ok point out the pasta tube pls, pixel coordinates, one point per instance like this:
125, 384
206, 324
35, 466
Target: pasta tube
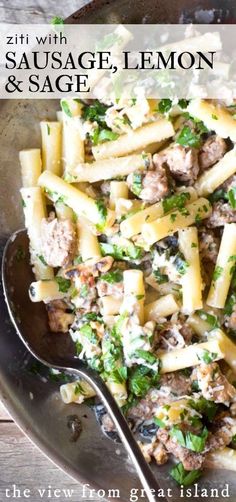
133, 225
106, 169
51, 133
76, 392
110, 305
73, 143
224, 268
192, 355
63, 212
163, 307
215, 118
31, 166
140, 138
199, 326
118, 390
88, 242
176, 220
191, 281
81, 204
216, 175
45, 291
134, 292
226, 346
34, 211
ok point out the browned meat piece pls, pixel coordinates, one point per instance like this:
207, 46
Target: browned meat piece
173, 335
154, 185
213, 384
172, 385
190, 459
154, 450
182, 162
59, 320
160, 454
58, 242
178, 383
208, 245
212, 150
222, 213
105, 288
219, 438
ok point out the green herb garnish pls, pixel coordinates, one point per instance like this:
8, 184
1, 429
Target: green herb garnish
164, 105
112, 277
183, 477
136, 184
217, 272
175, 201
63, 284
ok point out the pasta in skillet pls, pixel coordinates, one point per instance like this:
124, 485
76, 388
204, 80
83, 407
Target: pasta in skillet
133, 245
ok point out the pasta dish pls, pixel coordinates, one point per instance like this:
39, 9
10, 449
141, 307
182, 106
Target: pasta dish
130, 209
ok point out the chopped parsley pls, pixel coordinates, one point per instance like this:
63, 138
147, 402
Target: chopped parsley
194, 245
160, 278
209, 318
207, 357
84, 290
232, 197
48, 129
217, 273
65, 107
233, 260
146, 356
101, 135
141, 380
89, 333
139, 297
63, 284
131, 252
102, 212
183, 103
164, 105
159, 422
112, 277
173, 217
119, 375
205, 407
180, 263
229, 306
95, 113
41, 258
217, 195
187, 137
175, 201
77, 260
136, 184
79, 389
214, 117
183, 477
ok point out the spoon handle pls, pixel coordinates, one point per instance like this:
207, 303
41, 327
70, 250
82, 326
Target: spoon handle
144, 472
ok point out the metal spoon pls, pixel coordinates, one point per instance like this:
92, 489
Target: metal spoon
56, 350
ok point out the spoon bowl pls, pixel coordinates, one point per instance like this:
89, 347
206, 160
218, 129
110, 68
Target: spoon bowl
56, 350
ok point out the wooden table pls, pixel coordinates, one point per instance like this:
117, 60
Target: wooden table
21, 463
